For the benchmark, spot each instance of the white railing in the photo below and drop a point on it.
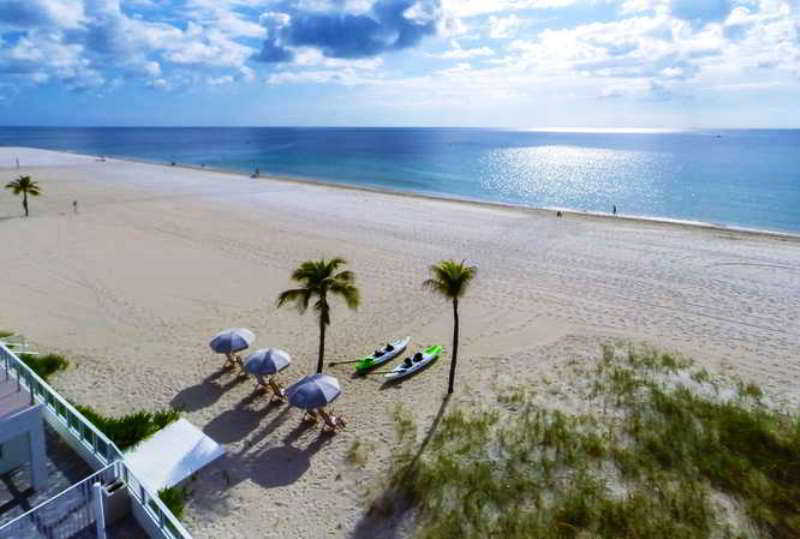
(75, 423)
(72, 512)
(80, 433)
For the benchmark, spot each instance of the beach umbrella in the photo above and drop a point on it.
(314, 391)
(232, 340)
(267, 361)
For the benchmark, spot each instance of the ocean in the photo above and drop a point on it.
(740, 178)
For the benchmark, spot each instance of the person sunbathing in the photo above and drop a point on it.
(331, 422)
(270, 384)
(232, 359)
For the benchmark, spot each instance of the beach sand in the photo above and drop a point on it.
(159, 258)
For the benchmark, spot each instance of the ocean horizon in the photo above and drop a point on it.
(748, 178)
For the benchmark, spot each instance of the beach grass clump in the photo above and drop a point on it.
(4, 333)
(654, 458)
(357, 454)
(45, 366)
(130, 429)
(175, 499)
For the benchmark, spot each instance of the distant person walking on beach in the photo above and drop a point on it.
(17, 162)
(75, 207)
(614, 210)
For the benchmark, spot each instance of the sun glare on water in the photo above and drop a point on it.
(571, 176)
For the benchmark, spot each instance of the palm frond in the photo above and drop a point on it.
(345, 277)
(335, 262)
(348, 292)
(300, 296)
(435, 285)
(450, 278)
(24, 184)
(317, 277)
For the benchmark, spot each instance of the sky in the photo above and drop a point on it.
(478, 63)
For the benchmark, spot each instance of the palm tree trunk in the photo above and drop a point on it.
(455, 347)
(321, 344)
(25, 202)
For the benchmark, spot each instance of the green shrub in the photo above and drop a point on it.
(128, 430)
(175, 499)
(44, 366)
(4, 334)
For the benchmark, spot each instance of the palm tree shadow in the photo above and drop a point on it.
(389, 508)
(206, 392)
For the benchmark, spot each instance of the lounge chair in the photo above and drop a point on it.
(232, 359)
(270, 383)
(331, 422)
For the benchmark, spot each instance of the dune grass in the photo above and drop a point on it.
(668, 452)
(45, 365)
(130, 429)
(4, 333)
(358, 453)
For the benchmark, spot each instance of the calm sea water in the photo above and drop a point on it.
(748, 178)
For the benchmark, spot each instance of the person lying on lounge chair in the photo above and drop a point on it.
(232, 359)
(331, 422)
(277, 391)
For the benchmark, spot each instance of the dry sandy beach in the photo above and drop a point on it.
(158, 259)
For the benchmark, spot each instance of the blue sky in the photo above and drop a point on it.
(501, 63)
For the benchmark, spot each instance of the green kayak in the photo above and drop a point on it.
(382, 355)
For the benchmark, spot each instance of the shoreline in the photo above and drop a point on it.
(510, 206)
(157, 260)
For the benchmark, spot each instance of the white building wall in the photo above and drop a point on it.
(22, 440)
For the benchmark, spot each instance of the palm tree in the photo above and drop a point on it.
(450, 280)
(26, 186)
(318, 278)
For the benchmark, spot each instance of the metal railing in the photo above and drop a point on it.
(71, 513)
(155, 508)
(81, 428)
(84, 433)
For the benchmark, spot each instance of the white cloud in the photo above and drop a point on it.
(470, 8)
(504, 27)
(309, 56)
(51, 13)
(457, 52)
(159, 84)
(203, 46)
(224, 79)
(343, 77)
